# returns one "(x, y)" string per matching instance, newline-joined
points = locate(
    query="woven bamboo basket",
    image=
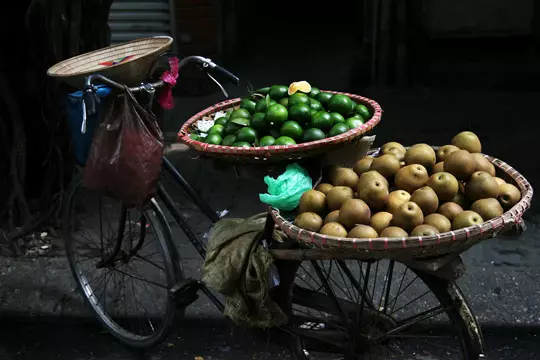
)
(127, 63)
(269, 154)
(416, 247)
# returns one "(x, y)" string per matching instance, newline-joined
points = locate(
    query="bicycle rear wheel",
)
(378, 310)
(122, 263)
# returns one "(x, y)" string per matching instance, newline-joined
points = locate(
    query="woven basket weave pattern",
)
(455, 241)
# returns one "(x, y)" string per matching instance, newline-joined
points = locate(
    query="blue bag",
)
(74, 111)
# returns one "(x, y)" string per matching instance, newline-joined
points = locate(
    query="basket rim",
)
(512, 215)
(267, 151)
(50, 70)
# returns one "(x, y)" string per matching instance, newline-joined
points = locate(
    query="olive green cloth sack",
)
(238, 266)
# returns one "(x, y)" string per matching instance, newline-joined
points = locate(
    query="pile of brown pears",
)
(402, 192)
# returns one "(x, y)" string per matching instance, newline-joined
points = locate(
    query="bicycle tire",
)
(172, 273)
(446, 292)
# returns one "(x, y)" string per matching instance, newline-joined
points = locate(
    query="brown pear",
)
(324, 188)
(500, 181)
(334, 229)
(337, 196)
(365, 177)
(467, 140)
(312, 201)
(465, 219)
(481, 186)
(374, 192)
(444, 151)
(426, 198)
(332, 217)
(444, 184)
(309, 221)
(408, 216)
(509, 195)
(460, 164)
(450, 210)
(393, 232)
(344, 177)
(439, 167)
(422, 154)
(461, 200)
(487, 208)
(363, 232)
(363, 165)
(354, 212)
(411, 177)
(387, 165)
(483, 164)
(395, 199)
(438, 221)
(380, 221)
(424, 230)
(394, 148)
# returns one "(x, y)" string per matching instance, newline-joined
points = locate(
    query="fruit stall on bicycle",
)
(357, 255)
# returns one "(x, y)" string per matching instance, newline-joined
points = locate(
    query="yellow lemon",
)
(302, 86)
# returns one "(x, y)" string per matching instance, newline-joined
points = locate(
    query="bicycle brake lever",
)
(219, 85)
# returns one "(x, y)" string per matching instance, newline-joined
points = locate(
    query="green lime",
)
(298, 98)
(313, 111)
(284, 101)
(217, 129)
(354, 122)
(291, 129)
(277, 114)
(242, 144)
(316, 105)
(260, 105)
(321, 120)
(300, 113)
(277, 92)
(363, 111)
(314, 92)
(195, 137)
(229, 140)
(284, 140)
(240, 121)
(337, 129)
(240, 113)
(312, 135)
(323, 98)
(221, 121)
(271, 102)
(246, 134)
(267, 141)
(249, 105)
(340, 103)
(263, 90)
(231, 128)
(214, 139)
(228, 114)
(259, 123)
(337, 118)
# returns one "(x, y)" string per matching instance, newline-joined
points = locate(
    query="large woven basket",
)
(417, 247)
(126, 63)
(267, 154)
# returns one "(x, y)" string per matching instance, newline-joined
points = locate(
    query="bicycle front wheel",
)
(121, 261)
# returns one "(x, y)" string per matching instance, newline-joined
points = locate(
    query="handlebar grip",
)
(89, 98)
(227, 74)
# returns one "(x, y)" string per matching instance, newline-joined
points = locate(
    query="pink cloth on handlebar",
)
(165, 98)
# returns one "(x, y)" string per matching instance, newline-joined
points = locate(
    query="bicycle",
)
(334, 305)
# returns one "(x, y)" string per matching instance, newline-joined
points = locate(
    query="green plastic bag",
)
(284, 192)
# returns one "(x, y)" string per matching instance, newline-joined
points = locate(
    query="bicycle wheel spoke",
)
(415, 319)
(344, 284)
(143, 280)
(411, 301)
(149, 262)
(389, 287)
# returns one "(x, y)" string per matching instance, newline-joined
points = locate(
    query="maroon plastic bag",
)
(126, 154)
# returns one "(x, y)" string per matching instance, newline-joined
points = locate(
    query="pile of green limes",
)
(270, 117)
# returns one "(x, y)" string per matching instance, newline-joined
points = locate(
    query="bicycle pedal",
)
(185, 292)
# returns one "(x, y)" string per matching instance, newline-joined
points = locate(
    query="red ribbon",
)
(166, 99)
